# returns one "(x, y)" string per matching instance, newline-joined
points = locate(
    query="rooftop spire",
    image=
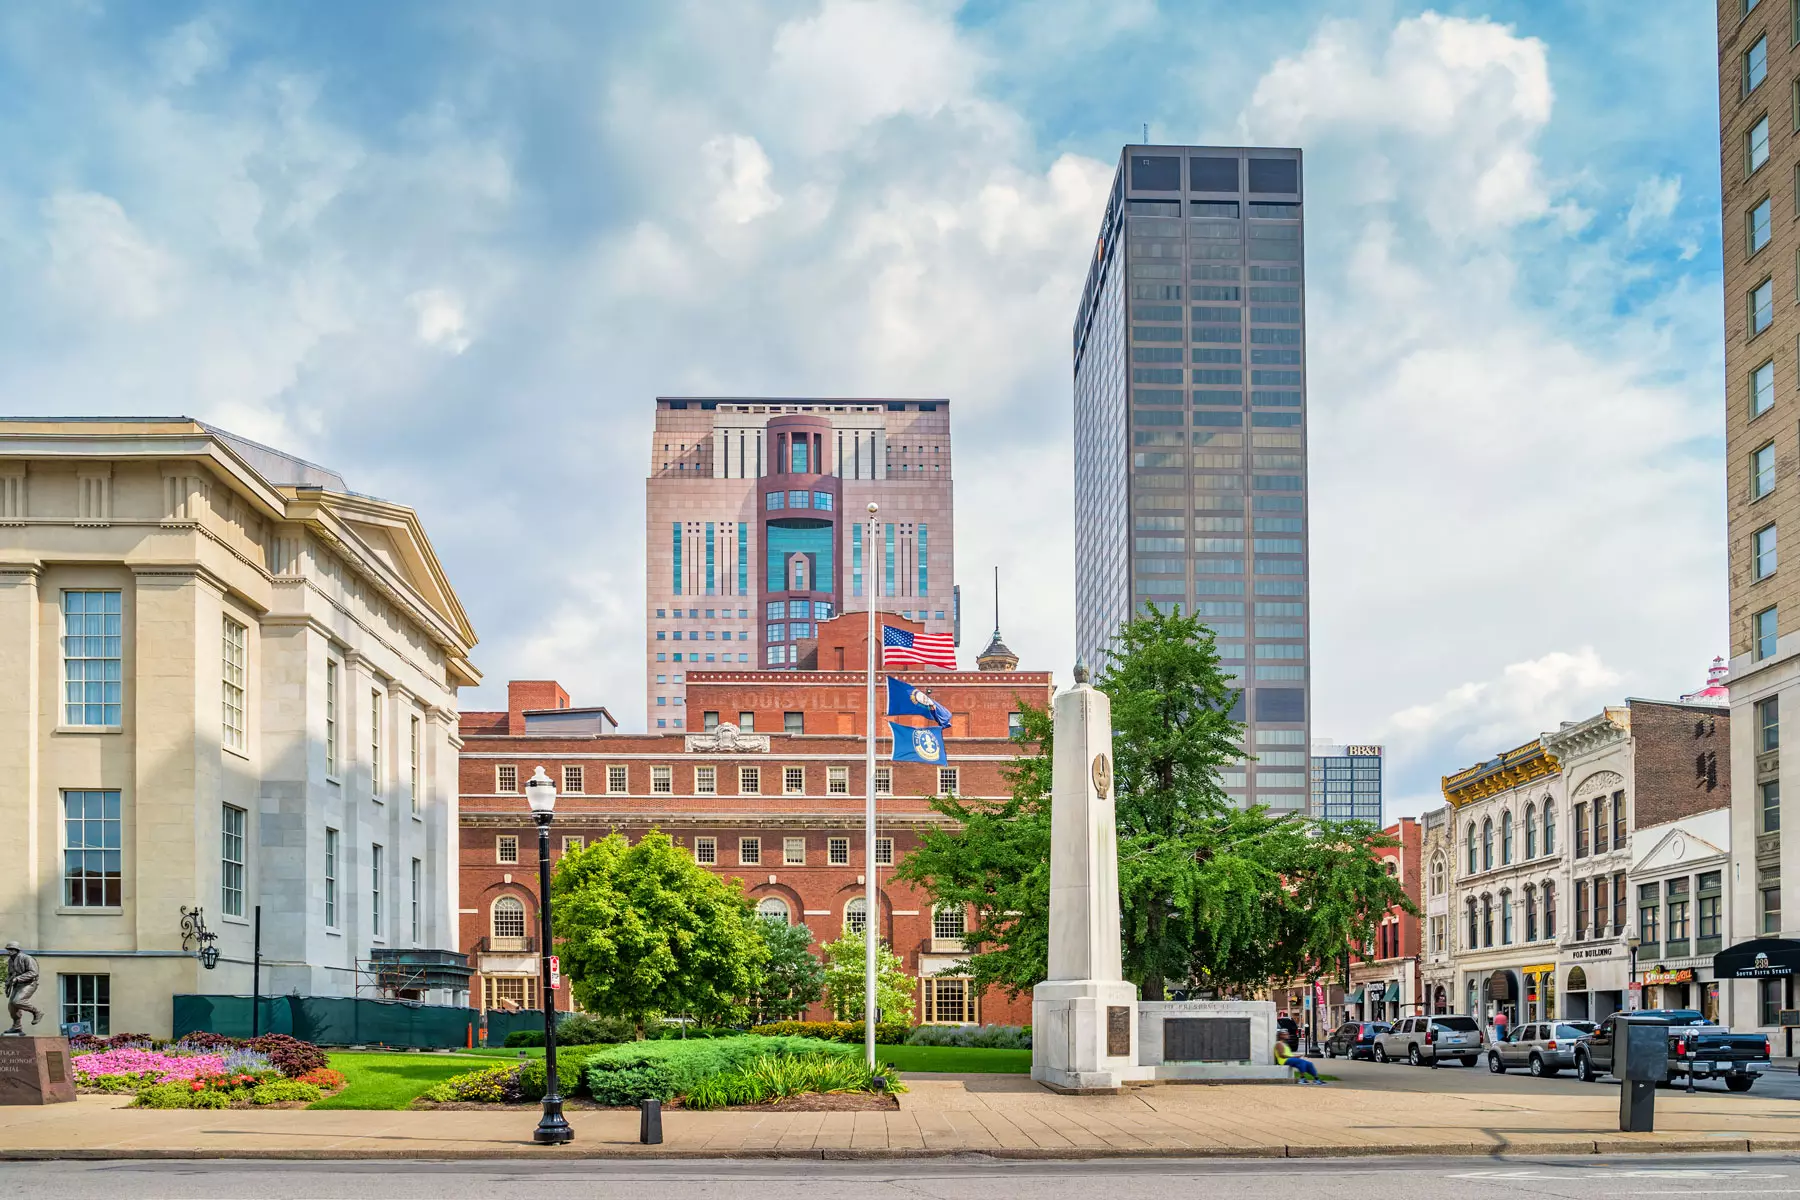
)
(997, 657)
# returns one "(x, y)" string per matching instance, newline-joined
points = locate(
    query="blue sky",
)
(454, 249)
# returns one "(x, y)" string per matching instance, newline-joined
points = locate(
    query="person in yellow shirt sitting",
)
(1304, 1071)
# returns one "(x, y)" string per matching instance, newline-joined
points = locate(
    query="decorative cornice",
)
(1513, 768)
(1610, 728)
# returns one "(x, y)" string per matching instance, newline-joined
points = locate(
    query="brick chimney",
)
(522, 694)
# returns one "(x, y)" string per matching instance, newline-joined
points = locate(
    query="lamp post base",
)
(552, 1129)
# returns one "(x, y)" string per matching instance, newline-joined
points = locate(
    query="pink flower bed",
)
(164, 1066)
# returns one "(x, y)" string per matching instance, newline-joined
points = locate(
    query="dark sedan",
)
(1355, 1039)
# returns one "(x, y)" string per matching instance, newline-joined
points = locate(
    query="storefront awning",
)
(1355, 997)
(1762, 958)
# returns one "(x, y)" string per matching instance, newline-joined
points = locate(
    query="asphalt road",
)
(1781, 1083)
(931, 1179)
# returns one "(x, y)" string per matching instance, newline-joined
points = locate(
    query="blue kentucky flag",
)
(905, 700)
(920, 745)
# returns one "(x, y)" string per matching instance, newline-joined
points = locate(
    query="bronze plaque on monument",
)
(1118, 1031)
(35, 1070)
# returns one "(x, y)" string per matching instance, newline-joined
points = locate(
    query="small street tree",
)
(845, 973)
(791, 978)
(644, 929)
(1210, 894)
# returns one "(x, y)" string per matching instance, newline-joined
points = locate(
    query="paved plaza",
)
(1006, 1116)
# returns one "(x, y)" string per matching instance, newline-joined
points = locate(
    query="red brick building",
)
(767, 788)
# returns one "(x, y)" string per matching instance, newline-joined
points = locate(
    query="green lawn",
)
(390, 1080)
(961, 1060)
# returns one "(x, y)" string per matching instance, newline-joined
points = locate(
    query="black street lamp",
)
(552, 1129)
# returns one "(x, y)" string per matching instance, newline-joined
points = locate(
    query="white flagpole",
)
(872, 915)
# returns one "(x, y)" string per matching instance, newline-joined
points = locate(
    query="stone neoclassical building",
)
(230, 684)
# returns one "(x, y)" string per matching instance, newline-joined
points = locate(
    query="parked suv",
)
(1423, 1040)
(1355, 1039)
(1541, 1047)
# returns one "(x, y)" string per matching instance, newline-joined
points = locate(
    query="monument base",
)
(1084, 1035)
(35, 1070)
(1209, 1041)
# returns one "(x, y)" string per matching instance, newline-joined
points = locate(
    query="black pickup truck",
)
(1697, 1048)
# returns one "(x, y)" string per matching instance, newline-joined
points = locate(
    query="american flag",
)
(905, 646)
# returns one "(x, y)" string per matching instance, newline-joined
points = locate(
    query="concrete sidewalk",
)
(999, 1116)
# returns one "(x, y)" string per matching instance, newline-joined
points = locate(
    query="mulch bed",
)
(811, 1102)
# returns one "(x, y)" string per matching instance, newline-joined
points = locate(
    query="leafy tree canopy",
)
(791, 978)
(1210, 894)
(644, 929)
(846, 970)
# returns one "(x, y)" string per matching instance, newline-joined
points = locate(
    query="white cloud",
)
(857, 62)
(1464, 98)
(1654, 203)
(100, 260)
(441, 321)
(740, 174)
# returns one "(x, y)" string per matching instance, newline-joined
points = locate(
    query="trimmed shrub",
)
(291, 1056)
(850, 1033)
(776, 1077)
(180, 1095)
(985, 1037)
(283, 1092)
(524, 1037)
(490, 1085)
(201, 1039)
(570, 1066)
(587, 1029)
(664, 1070)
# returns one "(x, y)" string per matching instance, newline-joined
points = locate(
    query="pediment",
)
(1675, 848)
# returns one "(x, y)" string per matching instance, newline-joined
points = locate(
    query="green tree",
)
(644, 929)
(1209, 894)
(846, 970)
(791, 978)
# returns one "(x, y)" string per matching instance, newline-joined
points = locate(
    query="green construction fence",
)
(343, 1021)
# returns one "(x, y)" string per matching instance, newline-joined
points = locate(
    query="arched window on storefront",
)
(1530, 832)
(1549, 826)
(1471, 839)
(1506, 917)
(1440, 999)
(856, 915)
(1487, 920)
(1531, 924)
(509, 917)
(1576, 1004)
(1506, 837)
(1474, 926)
(1437, 874)
(1473, 1001)
(1487, 843)
(1549, 909)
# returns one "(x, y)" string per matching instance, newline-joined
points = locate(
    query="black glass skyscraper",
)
(1190, 429)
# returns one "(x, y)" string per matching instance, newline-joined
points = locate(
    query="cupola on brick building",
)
(767, 788)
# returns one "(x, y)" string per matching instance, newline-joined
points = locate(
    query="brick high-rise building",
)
(768, 788)
(755, 524)
(1759, 153)
(1190, 429)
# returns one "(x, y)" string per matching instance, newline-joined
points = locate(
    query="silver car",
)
(1542, 1047)
(1425, 1041)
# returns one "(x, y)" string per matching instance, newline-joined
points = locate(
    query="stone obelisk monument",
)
(1084, 1016)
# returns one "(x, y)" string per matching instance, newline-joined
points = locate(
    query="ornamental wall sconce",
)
(195, 936)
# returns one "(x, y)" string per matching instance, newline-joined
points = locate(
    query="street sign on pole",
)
(555, 973)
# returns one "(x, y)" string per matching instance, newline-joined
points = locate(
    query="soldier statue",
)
(21, 984)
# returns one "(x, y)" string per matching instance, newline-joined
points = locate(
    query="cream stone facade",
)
(1508, 831)
(230, 683)
(1437, 970)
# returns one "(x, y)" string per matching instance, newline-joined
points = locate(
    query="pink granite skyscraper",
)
(754, 533)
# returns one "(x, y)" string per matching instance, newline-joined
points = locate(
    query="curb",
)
(1730, 1145)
